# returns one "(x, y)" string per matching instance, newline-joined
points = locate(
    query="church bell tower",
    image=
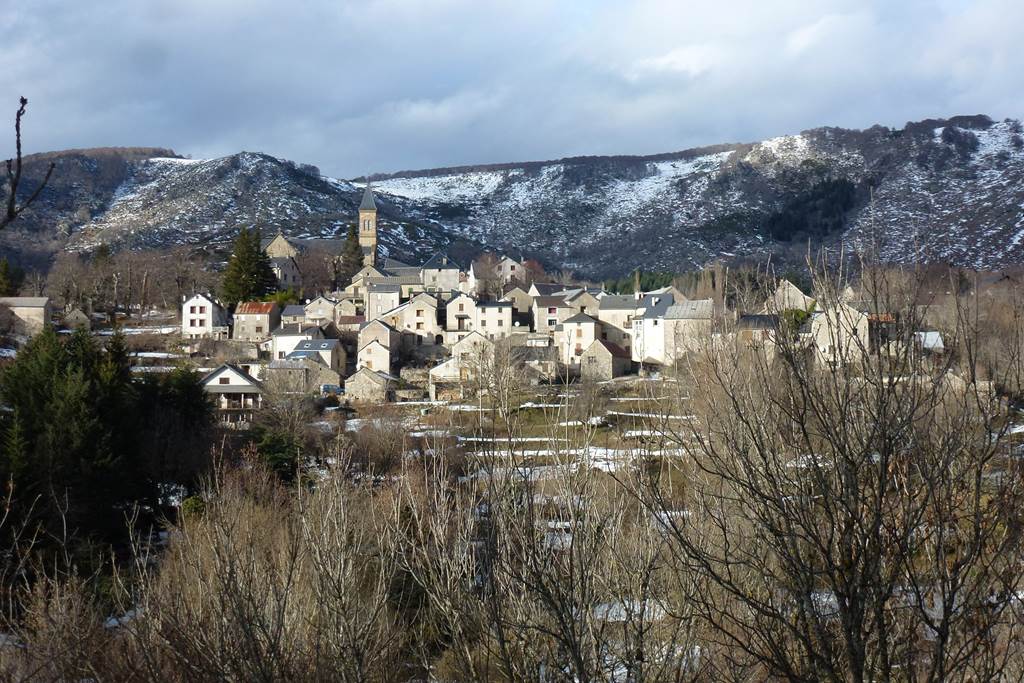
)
(368, 227)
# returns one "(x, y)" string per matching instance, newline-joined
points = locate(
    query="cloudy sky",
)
(385, 85)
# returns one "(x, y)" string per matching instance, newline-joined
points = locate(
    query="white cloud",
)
(378, 85)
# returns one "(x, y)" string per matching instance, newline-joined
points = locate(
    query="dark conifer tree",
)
(249, 274)
(351, 258)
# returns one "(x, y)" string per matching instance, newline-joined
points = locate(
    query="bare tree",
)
(851, 510)
(14, 169)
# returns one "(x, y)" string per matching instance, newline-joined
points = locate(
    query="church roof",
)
(367, 204)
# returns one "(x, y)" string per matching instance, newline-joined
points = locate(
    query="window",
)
(501, 323)
(483, 323)
(202, 322)
(202, 309)
(191, 322)
(579, 332)
(259, 329)
(551, 310)
(419, 312)
(513, 269)
(419, 326)
(461, 308)
(192, 309)
(655, 323)
(552, 322)
(280, 354)
(369, 364)
(224, 380)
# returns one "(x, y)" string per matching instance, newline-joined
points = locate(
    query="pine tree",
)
(351, 258)
(10, 278)
(248, 275)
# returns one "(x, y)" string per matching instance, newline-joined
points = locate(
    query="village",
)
(429, 332)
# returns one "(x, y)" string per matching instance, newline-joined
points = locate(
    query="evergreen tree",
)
(10, 278)
(351, 258)
(248, 275)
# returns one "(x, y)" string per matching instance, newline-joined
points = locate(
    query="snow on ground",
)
(446, 188)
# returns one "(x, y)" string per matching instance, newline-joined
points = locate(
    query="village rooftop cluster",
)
(400, 332)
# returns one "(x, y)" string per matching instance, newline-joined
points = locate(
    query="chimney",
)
(636, 285)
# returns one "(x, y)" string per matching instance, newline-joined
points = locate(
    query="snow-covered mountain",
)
(943, 190)
(155, 199)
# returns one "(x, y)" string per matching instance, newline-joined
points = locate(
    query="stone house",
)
(493, 319)
(520, 299)
(840, 334)
(307, 374)
(293, 314)
(377, 346)
(757, 330)
(255, 320)
(576, 335)
(616, 312)
(322, 309)
(687, 327)
(202, 316)
(549, 312)
(285, 338)
(788, 296)
(470, 357)
(329, 351)
(417, 321)
(279, 246)
(30, 313)
(584, 301)
(345, 308)
(460, 314)
(440, 274)
(286, 270)
(371, 386)
(659, 336)
(77, 319)
(236, 394)
(603, 361)
(380, 299)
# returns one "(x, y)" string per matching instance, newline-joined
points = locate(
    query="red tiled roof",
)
(255, 307)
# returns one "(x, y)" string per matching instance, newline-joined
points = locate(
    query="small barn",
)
(371, 386)
(603, 360)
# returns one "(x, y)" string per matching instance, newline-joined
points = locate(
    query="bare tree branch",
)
(14, 169)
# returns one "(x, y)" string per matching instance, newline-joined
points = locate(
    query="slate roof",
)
(614, 349)
(294, 310)
(656, 305)
(548, 288)
(393, 263)
(617, 302)
(32, 301)
(580, 318)
(548, 301)
(291, 329)
(441, 261)
(367, 204)
(701, 309)
(394, 280)
(757, 322)
(317, 345)
(384, 289)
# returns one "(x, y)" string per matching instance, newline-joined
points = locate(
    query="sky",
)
(389, 85)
